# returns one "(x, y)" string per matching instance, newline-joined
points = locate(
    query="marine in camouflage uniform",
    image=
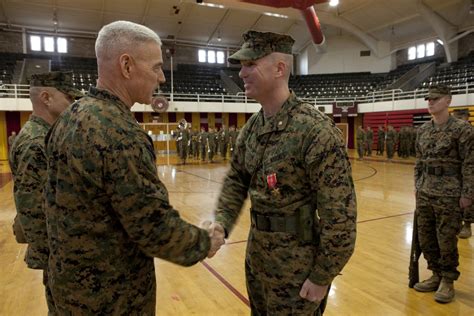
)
(28, 165)
(203, 143)
(233, 134)
(390, 141)
(380, 140)
(211, 144)
(11, 139)
(360, 142)
(444, 180)
(223, 141)
(468, 216)
(108, 213)
(369, 140)
(295, 168)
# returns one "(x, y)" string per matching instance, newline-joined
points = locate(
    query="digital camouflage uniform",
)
(360, 142)
(223, 142)
(380, 141)
(444, 172)
(108, 213)
(203, 144)
(390, 141)
(28, 164)
(306, 152)
(296, 171)
(369, 140)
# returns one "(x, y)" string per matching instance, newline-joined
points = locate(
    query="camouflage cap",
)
(258, 44)
(461, 113)
(57, 79)
(438, 91)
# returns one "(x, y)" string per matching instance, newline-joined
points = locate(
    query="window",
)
(220, 57)
(211, 56)
(202, 56)
(62, 45)
(420, 51)
(35, 42)
(412, 53)
(430, 49)
(48, 44)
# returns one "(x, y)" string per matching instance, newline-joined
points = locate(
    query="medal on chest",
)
(272, 184)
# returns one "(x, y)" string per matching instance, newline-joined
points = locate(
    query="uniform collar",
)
(109, 97)
(279, 121)
(40, 121)
(445, 125)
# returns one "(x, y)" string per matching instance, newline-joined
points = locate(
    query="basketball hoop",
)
(348, 108)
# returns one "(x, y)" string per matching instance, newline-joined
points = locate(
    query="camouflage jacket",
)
(369, 136)
(108, 212)
(28, 165)
(450, 146)
(391, 136)
(360, 136)
(381, 135)
(305, 150)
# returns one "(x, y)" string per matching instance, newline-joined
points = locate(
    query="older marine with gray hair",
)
(108, 212)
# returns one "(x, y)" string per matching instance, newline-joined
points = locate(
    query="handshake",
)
(216, 234)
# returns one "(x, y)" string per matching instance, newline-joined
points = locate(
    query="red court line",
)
(226, 283)
(379, 218)
(5, 178)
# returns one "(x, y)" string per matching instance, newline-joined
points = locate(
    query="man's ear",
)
(45, 97)
(281, 69)
(126, 64)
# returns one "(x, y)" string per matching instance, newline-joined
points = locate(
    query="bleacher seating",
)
(453, 74)
(194, 79)
(7, 66)
(84, 70)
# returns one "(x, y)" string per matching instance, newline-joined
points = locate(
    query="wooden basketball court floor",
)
(373, 283)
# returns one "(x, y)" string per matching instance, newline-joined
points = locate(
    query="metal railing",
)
(22, 91)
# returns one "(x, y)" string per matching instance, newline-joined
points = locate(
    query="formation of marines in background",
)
(204, 145)
(402, 142)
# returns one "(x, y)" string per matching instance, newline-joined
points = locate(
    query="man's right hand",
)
(216, 234)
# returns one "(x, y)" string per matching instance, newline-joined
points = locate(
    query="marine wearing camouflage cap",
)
(260, 44)
(438, 91)
(57, 79)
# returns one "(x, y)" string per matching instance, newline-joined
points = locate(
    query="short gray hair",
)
(118, 36)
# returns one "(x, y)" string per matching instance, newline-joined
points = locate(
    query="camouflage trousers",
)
(390, 150)
(469, 214)
(276, 267)
(439, 222)
(368, 148)
(360, 149)
(380, 147)
(48, 295)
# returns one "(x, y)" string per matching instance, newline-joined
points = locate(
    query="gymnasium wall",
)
(342, 56)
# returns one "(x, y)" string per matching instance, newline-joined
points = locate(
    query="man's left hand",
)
(464, 202)
(313, 292)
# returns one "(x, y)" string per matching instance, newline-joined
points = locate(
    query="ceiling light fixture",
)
(276, 15)
(212, 5)
(333, 3)
(440, 41)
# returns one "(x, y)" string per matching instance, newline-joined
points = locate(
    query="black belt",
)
(283, 224)
(442, 171)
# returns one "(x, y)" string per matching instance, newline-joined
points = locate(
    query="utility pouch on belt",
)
(305, 224)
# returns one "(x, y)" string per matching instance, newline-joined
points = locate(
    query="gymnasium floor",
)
(373, 283)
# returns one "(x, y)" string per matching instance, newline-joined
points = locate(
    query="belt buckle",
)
(278, 224)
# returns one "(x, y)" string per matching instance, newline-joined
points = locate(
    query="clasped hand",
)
(216, 234)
